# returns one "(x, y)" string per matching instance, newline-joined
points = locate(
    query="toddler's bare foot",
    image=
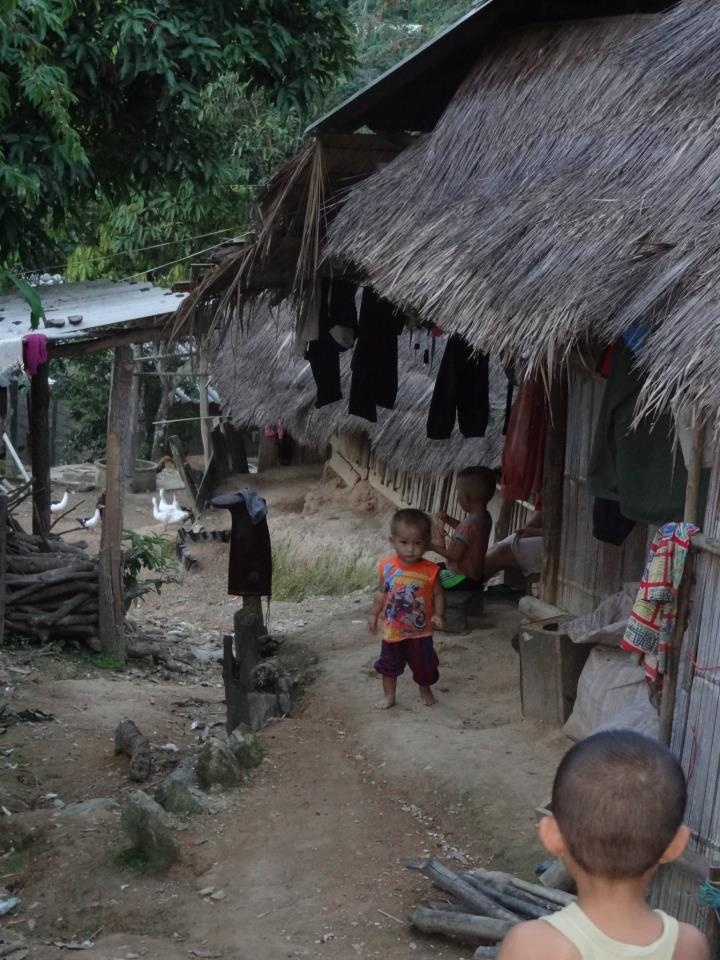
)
(385, 703)
(426, 695)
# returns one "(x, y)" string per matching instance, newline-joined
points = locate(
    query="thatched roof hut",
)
(567, 192)
(260, 380)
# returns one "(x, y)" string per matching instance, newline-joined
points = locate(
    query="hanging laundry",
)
(34, 352)
(250, 565)
(337, 312)
(609, 525)
(638, 468)
(524, 451)
(462, 389)
(374, 366)
(652, 621)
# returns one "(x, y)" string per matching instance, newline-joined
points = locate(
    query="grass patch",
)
(331, 574)
(104, 662)
(131, 859)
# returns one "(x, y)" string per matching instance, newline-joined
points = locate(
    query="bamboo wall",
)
(589, 570)
(696, 724)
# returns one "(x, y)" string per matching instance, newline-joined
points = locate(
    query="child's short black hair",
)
(618, 799)
(481, 481)
(412, 518)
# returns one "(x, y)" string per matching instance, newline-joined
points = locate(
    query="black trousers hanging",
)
(462, 389)
(337, 308)
(374, 380)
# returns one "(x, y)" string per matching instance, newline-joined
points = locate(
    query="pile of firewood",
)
(485, 904)
(51, 588)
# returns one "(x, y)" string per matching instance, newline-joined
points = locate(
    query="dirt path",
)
(307, 860)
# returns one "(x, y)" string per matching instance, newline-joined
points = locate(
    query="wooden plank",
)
(111, 622)
(204, 406)
(40, 447)
(109, 341)
(553, 476)
(3, 549)
(181, 466)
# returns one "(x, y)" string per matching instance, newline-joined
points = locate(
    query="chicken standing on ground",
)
(61, 504)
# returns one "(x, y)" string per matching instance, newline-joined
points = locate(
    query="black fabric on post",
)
(609, 525)
(337, 309)
(375, 358)
(462, 388)
(250, 566)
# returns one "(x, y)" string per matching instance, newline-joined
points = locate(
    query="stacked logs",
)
(51, 589)
(485, 905)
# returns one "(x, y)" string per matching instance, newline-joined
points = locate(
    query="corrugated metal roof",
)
(103, 304)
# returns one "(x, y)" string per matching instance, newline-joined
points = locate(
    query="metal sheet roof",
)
(103, 304)
(412, 95)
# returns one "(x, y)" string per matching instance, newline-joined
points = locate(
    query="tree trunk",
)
(40, 447)
(167, 385)
(112, 616)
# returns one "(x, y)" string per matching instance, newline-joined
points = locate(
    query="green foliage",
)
(105, 100)
(147, 552)
(104, 662)
(296, 577)
(37, 311)
(83, 383)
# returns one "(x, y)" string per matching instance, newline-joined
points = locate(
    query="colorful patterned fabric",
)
(408, 590)
(418, 653)
(651, 625)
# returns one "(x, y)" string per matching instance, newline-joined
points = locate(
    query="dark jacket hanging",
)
(638, 468)
(374, 380)
(337, 309)
(461, 388)
(609, 525)
(250, 565)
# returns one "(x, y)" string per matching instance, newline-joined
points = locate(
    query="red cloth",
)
(34, 352)
(524, 450)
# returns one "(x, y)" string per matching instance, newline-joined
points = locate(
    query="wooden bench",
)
(461, 604)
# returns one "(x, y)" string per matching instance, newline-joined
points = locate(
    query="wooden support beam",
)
(112, 610)
(204, 406)
(40, 447)
(77, 348)
(3, 549)
(553, 486)
(181, 466)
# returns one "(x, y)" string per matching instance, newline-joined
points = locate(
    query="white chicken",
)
(167, 513)
(61, 504)
(89, 522)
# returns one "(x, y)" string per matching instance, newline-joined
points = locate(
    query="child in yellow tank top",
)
(618, 804)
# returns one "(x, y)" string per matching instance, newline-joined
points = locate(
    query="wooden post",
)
(3, 548)
(40, 447)
(553, 486)
(692, 499)
(112, 611)
(240, 657)
(203, 384)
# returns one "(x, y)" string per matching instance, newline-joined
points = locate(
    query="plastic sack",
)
(641, 717)
(611, 682)
(606, 624)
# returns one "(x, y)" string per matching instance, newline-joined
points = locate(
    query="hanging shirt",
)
(408, 592)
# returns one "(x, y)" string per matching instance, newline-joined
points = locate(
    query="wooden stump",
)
(240, 657)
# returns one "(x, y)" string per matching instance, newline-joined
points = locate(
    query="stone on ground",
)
(89, 806)
(217, 767)
(245, 748)
(177, 792)
(148, 828)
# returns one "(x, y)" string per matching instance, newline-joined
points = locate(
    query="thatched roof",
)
(569, 190)
(260, 380)
(290, 220)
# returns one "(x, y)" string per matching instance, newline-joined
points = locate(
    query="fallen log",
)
(518, 906)
(445, 905)
(463, 926)
(463, 891)
(50, 595)
(21, 563)
(510, 883)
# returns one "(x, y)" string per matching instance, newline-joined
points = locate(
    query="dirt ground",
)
(307, 861)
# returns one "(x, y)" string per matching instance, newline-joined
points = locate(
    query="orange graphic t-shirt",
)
(408, 590)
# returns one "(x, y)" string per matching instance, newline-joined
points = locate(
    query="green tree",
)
(107, 100)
